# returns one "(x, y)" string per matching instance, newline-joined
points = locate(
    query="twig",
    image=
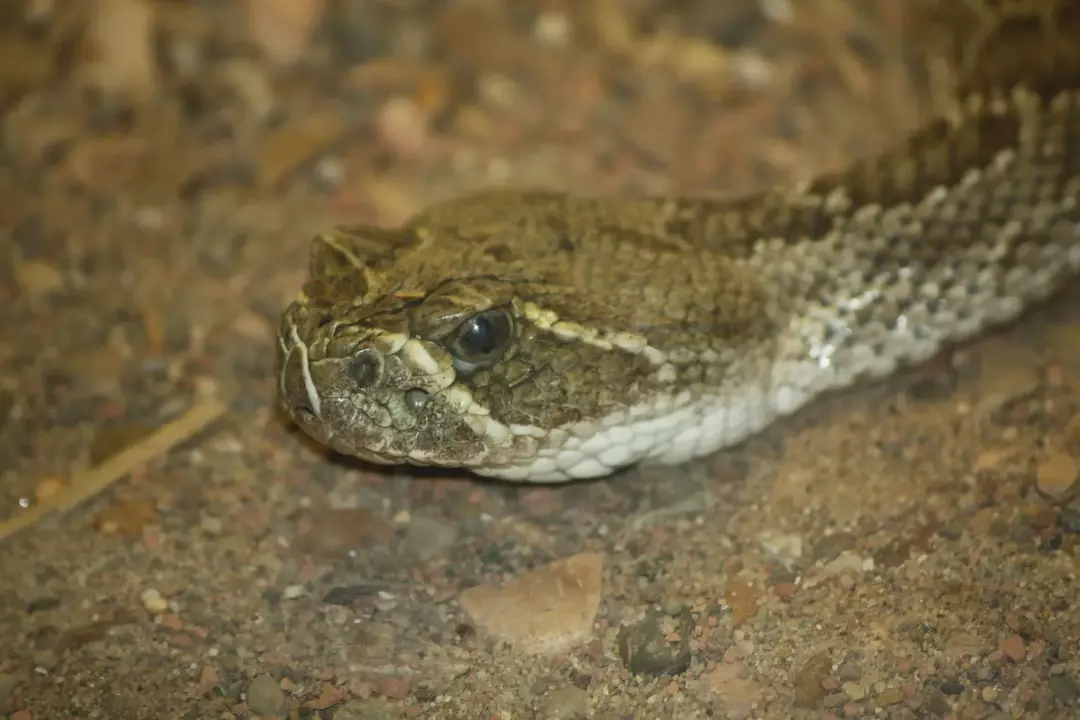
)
(91, 482)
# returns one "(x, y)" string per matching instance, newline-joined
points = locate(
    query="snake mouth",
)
(387, 399)
(370, 456)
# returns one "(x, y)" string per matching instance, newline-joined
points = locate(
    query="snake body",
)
(531, 335)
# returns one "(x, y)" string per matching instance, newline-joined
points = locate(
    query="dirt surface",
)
(906, 550)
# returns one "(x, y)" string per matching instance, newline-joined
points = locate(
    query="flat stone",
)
(544, 612)
(732, 683)
(264, 695)
(370, 709)
(565, 704)
(1013, 646)
(809, 691)
(656, 645)
(889, 697)
(1065, 689)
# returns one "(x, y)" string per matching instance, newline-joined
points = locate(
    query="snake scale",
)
(535, 336)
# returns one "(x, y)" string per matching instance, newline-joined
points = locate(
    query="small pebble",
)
(645, 649)
(568, 703)
(252, 84)
(845, 562)
(1056, 474)
(808, 680)
(742, 597)
(153, 601)
(211, 525)
(291, 592)
(348, 594)
(1065, 689)
(849, 670)
(8, 681)
(37, 279)
(1069, 519)
(785, 547)
(989, 694)
(370, 709)
(835, 700)
(937, 704)
(951, 687)
(393, 687)
(42, 604)
(785, 591)
(831, 546)
(45, 659)
(1013, 646)
(264, 695)
(890, 697)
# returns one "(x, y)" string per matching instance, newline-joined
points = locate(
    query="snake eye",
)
(481, 340)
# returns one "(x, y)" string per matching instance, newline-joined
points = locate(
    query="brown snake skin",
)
(536, 336)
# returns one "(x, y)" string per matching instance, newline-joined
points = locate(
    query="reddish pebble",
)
(181, 641)
(329, 697)
(393, 687)
(1013, 646)
(171, 621)
(784, 590)
(741, 596)
(208, 680)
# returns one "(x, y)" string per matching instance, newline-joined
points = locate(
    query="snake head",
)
(386, 382)
(456, 357)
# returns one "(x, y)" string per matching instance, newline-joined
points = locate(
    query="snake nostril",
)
(416, 399)
(366, 368)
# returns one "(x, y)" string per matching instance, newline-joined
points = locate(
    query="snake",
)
(536, 336)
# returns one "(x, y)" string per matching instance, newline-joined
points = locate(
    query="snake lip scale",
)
(536, 336)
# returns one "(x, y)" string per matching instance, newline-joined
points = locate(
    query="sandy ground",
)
(906, 550)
